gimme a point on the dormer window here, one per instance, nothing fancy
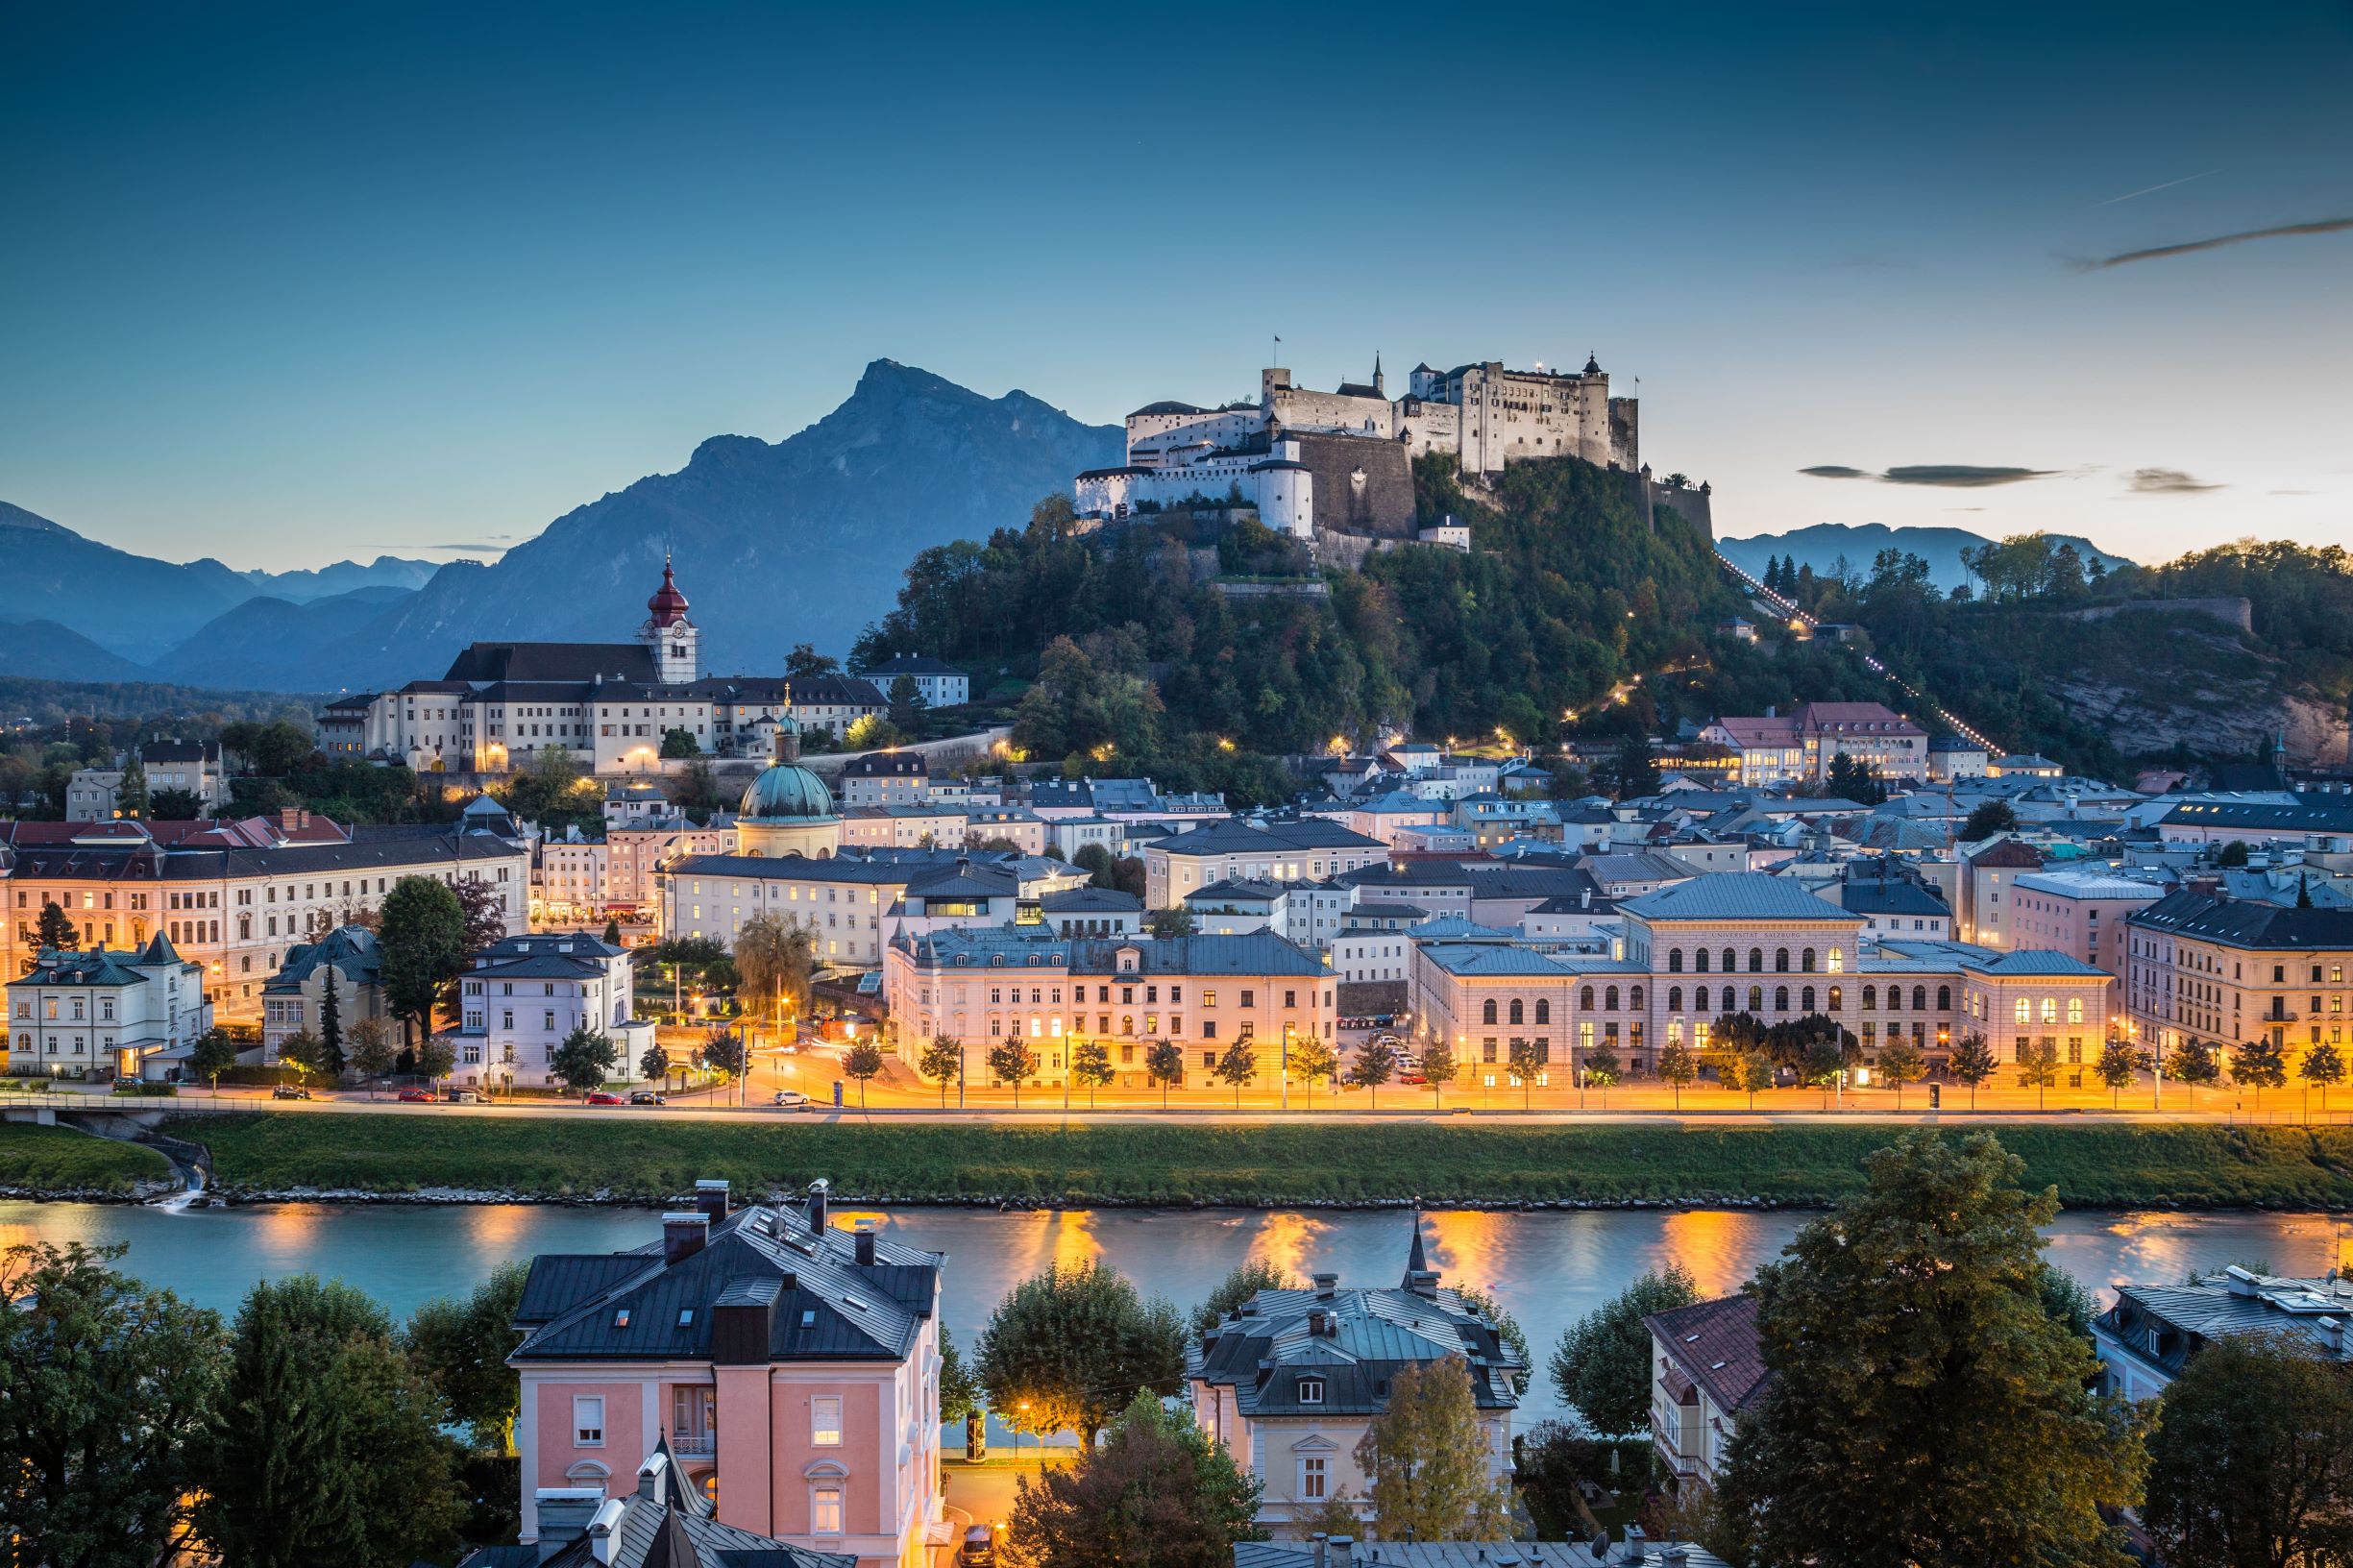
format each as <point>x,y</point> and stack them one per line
<point>1310,1390</point>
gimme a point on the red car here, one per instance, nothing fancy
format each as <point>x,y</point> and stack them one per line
<point>417,1096</point>
<point>607,1098</point>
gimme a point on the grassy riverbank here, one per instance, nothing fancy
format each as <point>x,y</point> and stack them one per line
<point>61,1160</point>
<point>646,1160</point>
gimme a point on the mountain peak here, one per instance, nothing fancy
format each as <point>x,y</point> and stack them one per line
<point>17,517</point>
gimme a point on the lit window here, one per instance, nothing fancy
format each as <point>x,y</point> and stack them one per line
<point>826,1421</point>
<point>825,1510</point>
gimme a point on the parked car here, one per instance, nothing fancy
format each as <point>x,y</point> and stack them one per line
<point>1412,1075</point>
<point>416,1097</point>
<point>646,1096</point>
<point>289,1091</point>
<point>606,1097</point>
<point>792,1099</point>
<point>464,1097</point>
<point>979,1550</point>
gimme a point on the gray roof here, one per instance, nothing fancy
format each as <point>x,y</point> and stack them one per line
<point>1241,839</point>
<point>1253,953</point>
<point>1891,897</point>
<point>1734,895</point>
<point>2165,1325</point>
<point>664,1523</point>
<point>1090,900</point>
<point>352,949</point>
<point>2266,927</point>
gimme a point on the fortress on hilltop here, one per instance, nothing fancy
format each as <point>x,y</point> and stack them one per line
<point>1341,462</point>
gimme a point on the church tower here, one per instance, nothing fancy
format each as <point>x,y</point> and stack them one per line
<point>669,636</point>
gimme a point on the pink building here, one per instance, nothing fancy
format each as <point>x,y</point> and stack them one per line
<point>2079,913</point>
<point>791,1369</point>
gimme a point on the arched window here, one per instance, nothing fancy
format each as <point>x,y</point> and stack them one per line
<point>1701,964</point>
<point>1544,1009</point>
<point>1756,961</point>
<point>1805,961</point>
<point>1675,998</point>
<point>1780,960</point>
<point>1732,961</point>
<point>1894,998</point>
<point>1943,999</point>
<point>1674,960</point>
<point>1584,999</point>
<point>1805,1000</point>
<point>1920,998</point>
<point>1699,1000</point>
<point>1871,999</point>
<point>2074,1010</point>
<point>1519,1011</point>
<point>1486,1011</point>
<point>1637,1002</point>
<point>2022,1011</point>
<point>2050,1010</point>
<point>1836,1001</point>
<point>1780,998</point>
<point>1756,998</point>
<point>1609,998</point>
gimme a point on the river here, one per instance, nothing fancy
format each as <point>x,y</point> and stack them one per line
<point>1548,1266</point>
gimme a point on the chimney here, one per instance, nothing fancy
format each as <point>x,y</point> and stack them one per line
<point>818,1191</point>
<point>564,1513</point>
<point>604,1529</point>
<point>1322,1556</point>
<point>1342,1547</point>
<point>2240,1281</point>
<point>1326,1285</point>
<point>683,1233</point>
<point>711,1197</point>
<point>1317,1319</point>
<point>865,1239</point>
<point>2331,1334</point>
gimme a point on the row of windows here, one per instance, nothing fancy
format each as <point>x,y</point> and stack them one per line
<point>1756,961</point>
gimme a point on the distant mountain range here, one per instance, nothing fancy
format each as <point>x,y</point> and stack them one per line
<point>1823,546</point>
<point>801,540</point>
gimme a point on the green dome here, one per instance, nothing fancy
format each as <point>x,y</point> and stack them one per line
<point>787,793</point>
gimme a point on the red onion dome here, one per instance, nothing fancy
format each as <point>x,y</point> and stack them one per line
<point>668,605</point>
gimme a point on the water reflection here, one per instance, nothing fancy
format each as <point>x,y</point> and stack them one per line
<point>1548,1268</point>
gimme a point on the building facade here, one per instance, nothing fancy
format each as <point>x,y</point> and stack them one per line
<point>2218,971</point>
<point>106,1013</point>
<point>520,999</point>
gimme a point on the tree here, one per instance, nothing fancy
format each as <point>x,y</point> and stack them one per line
<point>2038,1067</point>
<point>906,699</point>
<point>653,1065</point>
<point>484,911</point>
<point>1636,768</point>
<point>1991,818</point>
<point>1822,1065</point>
<point>1067,1349</point>
<point>584,1060</point>
<point>330,1015</point>
<point>175,805</point>
<point>1376,1063</point>
<point>1903,1063</point>
<point>370,1051</point>
<point>1906,1332</point>
<point>130,798</point>
<point>1246,1280</point>
<point>434,1056</point>
<point>776,959</point>
<point>2252,1460</point>
<point>941,1063</point>
<point>2259,1064</point>
<point>423,944</point>
<point>1164,1062</point>
<point>2193,1062</point>
<point>1167,924</point>
<point>2323,1064</point>
<point>806,662</point>
<point>460,1345</point>
<point>1013,1063</point>
<point>1526,1059</point>
<point>1753,1074</point>
<point>1602,1070</point>
<point>1312,1063</point>
<point>1849,779</point>
<point>1678,1066</point>
<point>2120,1061</point>
<point>612,932</point>
<point>1602,1367</point>
<point>301,1051</point>
<point>725,1051</point>
<point>679,742</point>
<point>326,1446</point>
<point>863,1062</point>
<point>212,1054</point>
<point>56,930</point>
<point>1438,1067</point>
<point>1238,1067</point>
<point>105,1385</point>
<point>1971,1063</point>
<point>1158,1491</point>
<point>1090,1066</point>
<point>2232,854</point>
<point>275,749</point>
<point>1431,1471</point>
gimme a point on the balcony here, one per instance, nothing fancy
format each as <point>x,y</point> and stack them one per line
<point>694,1445</point>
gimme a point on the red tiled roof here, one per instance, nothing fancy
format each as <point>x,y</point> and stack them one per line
<point>1714,1343</point>
<point>2009,852</point>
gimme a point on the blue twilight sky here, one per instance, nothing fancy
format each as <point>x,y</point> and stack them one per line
<point>283,285</point>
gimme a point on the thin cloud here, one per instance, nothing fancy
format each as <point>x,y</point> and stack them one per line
<point>1834,471</point>
<point>2167,482</point>
<point>2291,492</point>
<point>2325,225</point>
<point>1963,474</point>
<point>2152,190</point>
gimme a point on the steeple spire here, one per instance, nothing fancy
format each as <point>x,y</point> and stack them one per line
<point>1378,386</point>
<point>1417,1262</point>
